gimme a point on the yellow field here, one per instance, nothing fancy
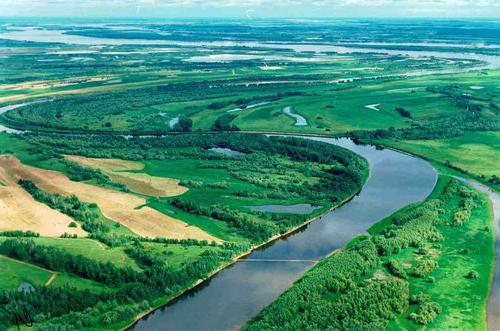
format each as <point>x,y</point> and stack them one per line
<point>118,171</point>
<point>118,206</point>
<point>19,211</point>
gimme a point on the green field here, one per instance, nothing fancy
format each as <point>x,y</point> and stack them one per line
<point>221,190</point>
<point>476,152</point>
<point>329,109</point>
<point>15,273</point>
<point>475,238</point>
<point>89,248</point>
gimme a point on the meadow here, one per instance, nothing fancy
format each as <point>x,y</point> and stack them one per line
<point>474,155</point>
<point>355,94</point>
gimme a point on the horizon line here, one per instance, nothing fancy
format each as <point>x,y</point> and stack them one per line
<point>260,18</point>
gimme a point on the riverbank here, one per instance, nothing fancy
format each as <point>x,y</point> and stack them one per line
<point>424,236</point>
<point>166,301</point>
<point>493,299</point>
<point>13,128</point>
<point>221,302</point>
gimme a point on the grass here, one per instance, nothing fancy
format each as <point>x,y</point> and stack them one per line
<point>214,227</point>
<point>14,273</point>
<point>475,152</point>
<point>463,301</point>
<point>464,248</point>
<point>175,255</point>
<point>68,280</point>
<point>329,109</point>
<point>196,170</point>
<point>91,249</point>
<point>88,248</point>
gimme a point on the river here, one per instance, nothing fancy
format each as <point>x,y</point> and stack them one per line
<point>5,109</point>
<point>238,293</point>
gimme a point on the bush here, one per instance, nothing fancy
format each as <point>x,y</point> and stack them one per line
<point>19,233</point>
<point>473,275</point>
<point>426,313</point>
<point>403,112</point>
<point>396,269</point>
<point>223,123</point>
<point>183,125</point>
<point>424,268</point>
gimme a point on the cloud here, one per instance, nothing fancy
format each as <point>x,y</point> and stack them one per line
<point>251,3</point>
<point>263,8</point>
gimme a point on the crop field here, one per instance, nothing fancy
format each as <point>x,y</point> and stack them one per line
<point>21,212</point>
<point>121,207</point>
<point>126,172</point>
<point>135,162</point>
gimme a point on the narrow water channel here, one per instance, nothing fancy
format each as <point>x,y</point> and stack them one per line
<point>493,307</point>
<point>238,293</point>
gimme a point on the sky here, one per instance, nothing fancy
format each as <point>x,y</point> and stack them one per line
<point>251,8</point>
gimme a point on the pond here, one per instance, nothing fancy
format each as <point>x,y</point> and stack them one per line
<point>226,151</point>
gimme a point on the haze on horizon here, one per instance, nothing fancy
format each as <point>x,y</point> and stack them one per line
<point>251,8</point>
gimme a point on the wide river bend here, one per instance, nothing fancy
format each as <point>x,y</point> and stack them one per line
<point>237,293</point>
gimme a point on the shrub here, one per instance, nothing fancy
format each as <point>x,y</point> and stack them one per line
<point>403,112</point>
<point>183,125</point>
<point>396,269</point>
<point>424,268</point>
<point>473,275</point>
<point>223,123</point>
<point>426,313</point>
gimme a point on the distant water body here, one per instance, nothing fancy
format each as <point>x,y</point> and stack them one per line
<point>59,36</point>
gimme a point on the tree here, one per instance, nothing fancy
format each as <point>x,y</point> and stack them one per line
<point>403,112</point>
<point>183,125</point>
<point>223,123</point>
